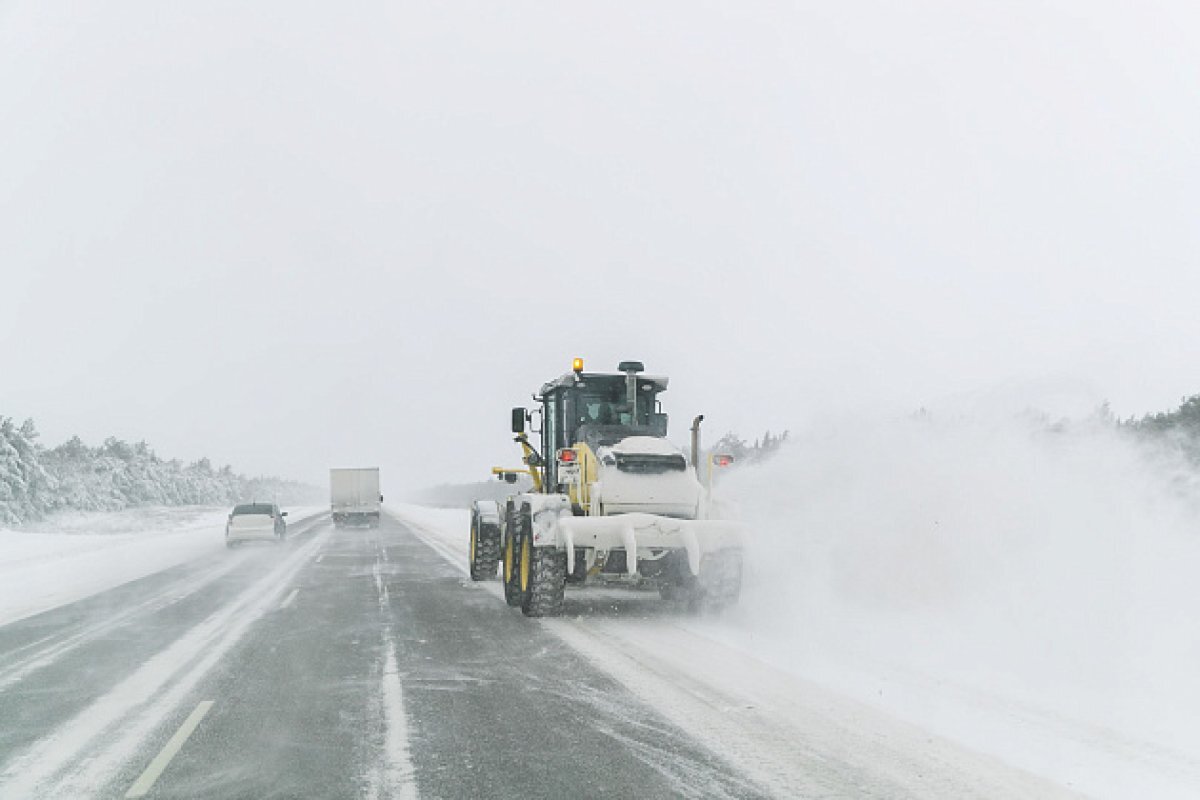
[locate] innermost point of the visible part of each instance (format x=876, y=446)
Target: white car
x=255, y=522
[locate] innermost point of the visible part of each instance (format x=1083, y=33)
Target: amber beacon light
x=577, y=365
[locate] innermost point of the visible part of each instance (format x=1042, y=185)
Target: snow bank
x=1028, y=591
x=71, y=556
x=450, y=524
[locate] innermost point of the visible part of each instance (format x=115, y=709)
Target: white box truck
x=354, y=496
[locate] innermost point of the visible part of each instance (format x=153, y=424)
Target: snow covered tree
x=35, y=481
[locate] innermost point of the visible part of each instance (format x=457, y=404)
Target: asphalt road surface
x=364, y=663
x=349, y=663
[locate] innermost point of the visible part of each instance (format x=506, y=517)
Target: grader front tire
x=484, y=554
x=547, y=578
x=512, y=589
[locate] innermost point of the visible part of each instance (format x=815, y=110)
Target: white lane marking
x=380, y=587
x=318, y=561
x=398, y=777
x=287, y=601
x=187, y=660
x=144, y=783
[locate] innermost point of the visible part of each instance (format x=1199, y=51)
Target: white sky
x=295, y=235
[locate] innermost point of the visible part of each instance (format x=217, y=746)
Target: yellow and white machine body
x=638, y=495
x=613, y=500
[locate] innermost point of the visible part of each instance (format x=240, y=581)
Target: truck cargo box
x=354, y=496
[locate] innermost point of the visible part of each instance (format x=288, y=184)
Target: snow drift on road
x=1027, y=590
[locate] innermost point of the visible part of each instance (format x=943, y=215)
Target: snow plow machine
x=612, y=501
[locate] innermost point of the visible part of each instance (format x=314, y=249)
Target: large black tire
x=719, y=583
x=512, y=558
x=484, y=553
x=544, y=580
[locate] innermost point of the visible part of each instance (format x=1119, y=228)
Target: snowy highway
x=364, y=663
x=819, y=376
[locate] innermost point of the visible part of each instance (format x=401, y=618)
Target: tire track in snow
x=59, y=645
x=53, y=767
x=168, y=596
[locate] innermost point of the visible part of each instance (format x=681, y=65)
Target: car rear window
x=252, y=508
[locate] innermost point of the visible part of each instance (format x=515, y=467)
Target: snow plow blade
x=641, y=532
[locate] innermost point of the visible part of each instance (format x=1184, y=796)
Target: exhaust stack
x=631, y=369
x=696, y=444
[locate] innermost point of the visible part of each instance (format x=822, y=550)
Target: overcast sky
x=296, y=235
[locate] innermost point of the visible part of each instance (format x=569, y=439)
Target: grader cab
x=613, y=501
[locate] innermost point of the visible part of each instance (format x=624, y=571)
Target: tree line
x=36, y=480
x=744, y=452
x=1179, y=426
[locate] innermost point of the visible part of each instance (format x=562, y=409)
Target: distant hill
x=460, y=495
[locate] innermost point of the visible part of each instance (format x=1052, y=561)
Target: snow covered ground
x=897, y=633
x=1027, y=590
x=71, y=556
x=933, y=697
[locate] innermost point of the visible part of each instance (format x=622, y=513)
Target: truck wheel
x=543, y=576
x=512, y=550
x=485, y=548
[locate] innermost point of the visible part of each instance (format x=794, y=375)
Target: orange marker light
x=577, y=365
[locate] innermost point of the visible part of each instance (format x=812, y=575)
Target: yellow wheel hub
x=525, y=565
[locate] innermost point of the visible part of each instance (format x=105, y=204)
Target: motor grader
x=612, y=501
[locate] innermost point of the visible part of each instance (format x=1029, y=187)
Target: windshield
x=603, y=404
x=253, y=508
